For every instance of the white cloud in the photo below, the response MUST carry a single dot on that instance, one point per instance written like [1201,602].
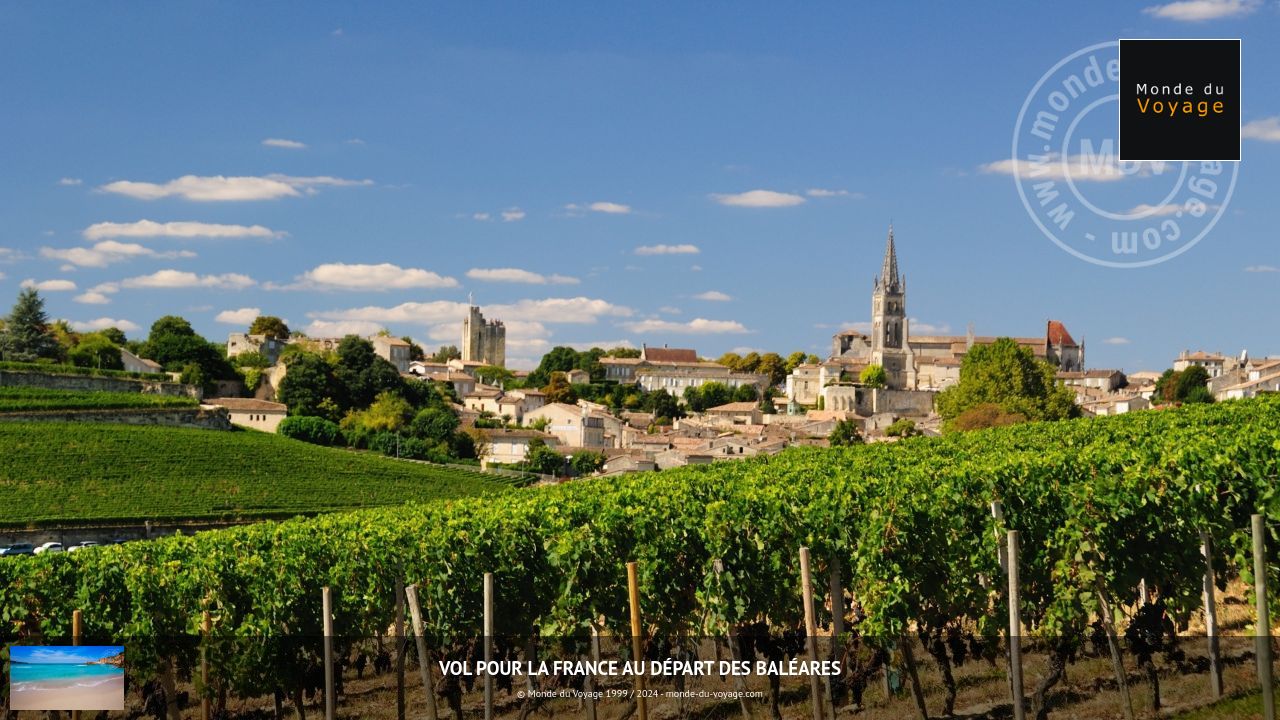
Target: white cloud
[1262,269]
[1116,341]
[1080,168]
[1267,129]
[384,276]
[825,193]
[354,141]
[107,252]
[2,276]
[697,326]
[49,285]
[179,279]
[512,214]
[668,309]
[481,216]
[92,297]
[283,143]
[243,316]
[610,207]
[309,182]
[103,323]
[150,228]
[667,250]
[341,328]
[1197,10]
[9,255]
[713,296]
[758,199]
[219,188]
[70,181]
[575,310]
[603,344]
[516,275]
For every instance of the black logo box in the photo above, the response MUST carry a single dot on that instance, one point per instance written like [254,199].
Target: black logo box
[1186,68]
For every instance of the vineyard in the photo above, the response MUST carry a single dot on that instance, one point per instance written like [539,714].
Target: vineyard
[1102,506]
[26,399]
[75,473]
[76,370]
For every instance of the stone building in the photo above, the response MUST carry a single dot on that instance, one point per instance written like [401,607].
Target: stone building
[483,340]
[257,414]
[911,362]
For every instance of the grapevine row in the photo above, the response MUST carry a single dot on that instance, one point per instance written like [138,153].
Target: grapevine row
[1101,505]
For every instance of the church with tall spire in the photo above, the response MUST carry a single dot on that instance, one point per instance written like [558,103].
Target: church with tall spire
[889,347]
[910,362]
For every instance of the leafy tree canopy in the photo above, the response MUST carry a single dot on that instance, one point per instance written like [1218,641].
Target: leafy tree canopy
[27,335]
[269,325]
[1010,377]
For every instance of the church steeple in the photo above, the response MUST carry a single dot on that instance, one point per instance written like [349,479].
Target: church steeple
[889,279]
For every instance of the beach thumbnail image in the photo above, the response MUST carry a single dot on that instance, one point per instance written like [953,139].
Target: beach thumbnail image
[64,677]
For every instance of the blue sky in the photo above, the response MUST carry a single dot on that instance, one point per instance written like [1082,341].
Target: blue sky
[62,654]
[587,172]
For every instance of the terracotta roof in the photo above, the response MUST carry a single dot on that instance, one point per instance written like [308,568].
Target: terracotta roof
[1201,355]
[247,404]
[734,407]
[1058,334]
[506,433]
[663,354]
[389,340]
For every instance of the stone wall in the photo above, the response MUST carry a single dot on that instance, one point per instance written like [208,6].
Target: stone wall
[204,417]
[89,383]
[902,402]
[104,533]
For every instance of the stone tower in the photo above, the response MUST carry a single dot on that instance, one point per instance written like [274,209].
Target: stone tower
[889,347]
[483,340]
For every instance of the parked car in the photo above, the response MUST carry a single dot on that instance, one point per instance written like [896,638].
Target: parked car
[82,545]
[49,547]
[18,549]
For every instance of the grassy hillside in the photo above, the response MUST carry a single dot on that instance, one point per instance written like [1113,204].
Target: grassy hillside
[53,473]
[23,399]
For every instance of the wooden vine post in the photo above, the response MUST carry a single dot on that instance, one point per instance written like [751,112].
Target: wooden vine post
[811,633]
[835,594]
[424,657]
[330,700]
[637,640]
[488,645]
[1015,627]
[77,633]
[1263,630]
[1211,616]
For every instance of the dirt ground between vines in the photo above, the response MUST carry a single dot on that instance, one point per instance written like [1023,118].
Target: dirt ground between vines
[1087,692]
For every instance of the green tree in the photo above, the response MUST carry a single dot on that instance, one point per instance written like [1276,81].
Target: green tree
[985,415]
[311,388]
[663,405]
[560,359]
[745,393]
[542,459]
[251,359]
[445,354]
[845,433]
[493,375]
[558,390]
[416,353]
[269,325]
[115,335]
[873,376]
[175,345]
[388,413]
[795,360]
[95,350]
[709,395]
[774,366]
[1192,386]
[902,427]
[434,423]
[27,335]
[1010,377]
[364,374]
[586,462]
